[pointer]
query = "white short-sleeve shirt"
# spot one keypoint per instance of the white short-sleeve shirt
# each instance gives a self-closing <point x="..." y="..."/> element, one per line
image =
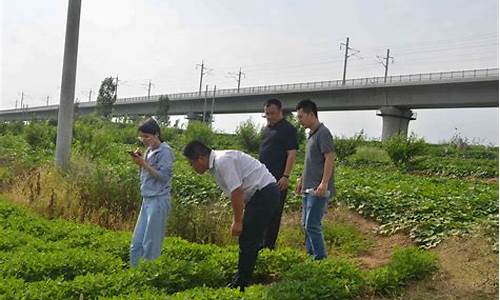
<point x="233" y="169"/>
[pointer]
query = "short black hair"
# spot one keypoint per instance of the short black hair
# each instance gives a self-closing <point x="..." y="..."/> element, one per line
<point x="273" y="101"/>
<point x="195" y="149"/>
<point x="308" y="106"/>
<point x="150" y="126"/>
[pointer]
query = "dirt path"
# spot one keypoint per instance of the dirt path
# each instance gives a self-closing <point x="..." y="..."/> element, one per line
<point x="468" y="266"/>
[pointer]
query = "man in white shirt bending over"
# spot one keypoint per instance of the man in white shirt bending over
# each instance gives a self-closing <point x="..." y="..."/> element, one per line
<point x="254" y="194"/>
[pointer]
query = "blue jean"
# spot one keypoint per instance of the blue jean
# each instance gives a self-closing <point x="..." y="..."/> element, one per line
<point x="313" y="210"/>
<point x="150" y="229"/>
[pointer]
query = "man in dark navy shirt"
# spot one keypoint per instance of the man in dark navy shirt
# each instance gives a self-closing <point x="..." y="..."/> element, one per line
<point x="277" y="152"/>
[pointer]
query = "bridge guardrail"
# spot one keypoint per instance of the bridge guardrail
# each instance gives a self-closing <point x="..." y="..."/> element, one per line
<point x="421" y="78"/>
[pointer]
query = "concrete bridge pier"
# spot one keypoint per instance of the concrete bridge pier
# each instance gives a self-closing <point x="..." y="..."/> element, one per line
<point x="395" y="120"/>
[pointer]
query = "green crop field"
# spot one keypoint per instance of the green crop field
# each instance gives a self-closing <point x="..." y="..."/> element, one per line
<point x="67" y="235"/>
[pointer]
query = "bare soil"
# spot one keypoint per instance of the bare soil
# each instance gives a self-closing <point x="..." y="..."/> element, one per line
<point x="468" y="266"/>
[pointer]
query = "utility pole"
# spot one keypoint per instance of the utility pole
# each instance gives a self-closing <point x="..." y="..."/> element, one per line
<point x="90" y="95"/>
<point x="16" y="104"/>
<point x="148" y="86"/>
<point x="346" y="56"/>
<point x="116" y="88"/>
<point x="205" y="103"/>
<point x="149" y="89"/>
<point x="238" y="79"/>
<point x="47" y="100"/>
<point x="204" y="70"/>
<point x="22" y="99"/>
<point x="201" y="75"/>
<point x="385" y="63"/>
<point x="213" y="104"/>
<point x="66" y="105"/>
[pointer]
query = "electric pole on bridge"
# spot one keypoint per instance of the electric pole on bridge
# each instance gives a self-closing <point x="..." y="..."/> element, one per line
<point x="22" y="99"/>
<point x="204" y="70"/>
<point x="116" y="88"/>
<point x="148" y="87"/>
<point x="66" y="104"/>
<point x="237" y="77"/>
<point x="213" y="104"/>
<point x="346" y="56"/>
<point x="385" y="63"/>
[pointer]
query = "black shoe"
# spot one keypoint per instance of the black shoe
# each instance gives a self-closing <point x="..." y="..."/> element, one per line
<point x="237" y="283"/>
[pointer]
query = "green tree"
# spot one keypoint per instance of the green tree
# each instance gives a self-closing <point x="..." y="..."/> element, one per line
<point x="345" y="147"/>
<point x="163" y="108"/>
<point x="200" y="131"/>
<point x="248" y="136"/>
<point x="106" y="97"/>
<point x="402" y="149"/>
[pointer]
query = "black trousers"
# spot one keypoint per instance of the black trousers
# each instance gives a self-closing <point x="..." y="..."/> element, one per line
<point x="271" y="232"/>
<point x="257" y="217"/>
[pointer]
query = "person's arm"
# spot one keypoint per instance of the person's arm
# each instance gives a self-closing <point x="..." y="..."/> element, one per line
<point x="238" y="204"/>
<point x="141" y="162"/>
<point x="165" y="166"/>
<point x="285" y="178"/>
<point x="328" y="170"/>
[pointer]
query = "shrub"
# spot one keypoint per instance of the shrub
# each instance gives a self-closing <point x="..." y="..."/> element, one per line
<point x="271" y="265"/>
<point x="15" y="158"/>
<point x="406" y="264"/>
<point x="402" y="149"/>
<point x="345" y="147"/>
<point x="326" y="279"/>
<point x="41" y="136"/>
<point x="457" y="167"/>
<point x="345" y="237"/>
<point x="369" y="156"/>
<point x="11" y="288"/>
<point x="198" y="131"/>
<point x="248" y="136"/>
<point x="69" y="263"/>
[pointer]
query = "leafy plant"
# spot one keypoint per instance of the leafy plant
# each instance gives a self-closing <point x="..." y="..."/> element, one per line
<point x="106" y="97"/>
<point x="402" y="149"/>
<point x="200" y="131"/>
<point x="248" y="136"/>
<point x="344" y="147"/>
<point x="163" y="108"/>
<point x="406" y="264"/>
<point x="368" y="156"/>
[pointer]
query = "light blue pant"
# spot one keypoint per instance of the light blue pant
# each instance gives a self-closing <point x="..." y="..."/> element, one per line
<point x="150" y="229"/>
<point x="312" y="212"/>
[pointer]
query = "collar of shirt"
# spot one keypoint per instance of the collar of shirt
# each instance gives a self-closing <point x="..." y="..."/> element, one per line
<point x="316" y="130"/>
<point x="277" y="123"/>
<point x="211" y="160"/>
<point x="150" y="152"/>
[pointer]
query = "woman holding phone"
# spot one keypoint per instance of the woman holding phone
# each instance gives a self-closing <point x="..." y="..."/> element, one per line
<point x="156" y="176"/>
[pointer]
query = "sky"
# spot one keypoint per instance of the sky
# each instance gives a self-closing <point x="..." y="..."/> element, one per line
<point x="272" y="41"/>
